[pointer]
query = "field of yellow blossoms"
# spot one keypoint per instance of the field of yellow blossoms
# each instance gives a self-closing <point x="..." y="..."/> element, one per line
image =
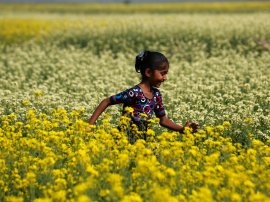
<point x="59" y="157"/>
<point x="57" y="65"/>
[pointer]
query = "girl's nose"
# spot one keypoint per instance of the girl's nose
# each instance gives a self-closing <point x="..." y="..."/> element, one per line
<point x="164" y="77"/>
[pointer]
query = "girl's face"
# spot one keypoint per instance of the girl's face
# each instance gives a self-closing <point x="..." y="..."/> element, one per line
<point x="159" y="75"/>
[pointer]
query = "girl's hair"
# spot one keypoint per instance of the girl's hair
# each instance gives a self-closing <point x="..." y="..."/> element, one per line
<point x="149" y="59"/>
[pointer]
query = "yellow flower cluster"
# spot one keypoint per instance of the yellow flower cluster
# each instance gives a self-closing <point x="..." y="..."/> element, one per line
<point x="16" y="29"/>
<point x="20" y="30"/>
<point x="58" y="157"/>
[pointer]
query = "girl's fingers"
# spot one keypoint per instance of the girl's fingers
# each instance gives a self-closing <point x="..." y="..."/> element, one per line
<point x="192" y="125"/>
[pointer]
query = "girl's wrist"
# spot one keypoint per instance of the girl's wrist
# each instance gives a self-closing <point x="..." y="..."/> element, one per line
<point x="182" y="129"/>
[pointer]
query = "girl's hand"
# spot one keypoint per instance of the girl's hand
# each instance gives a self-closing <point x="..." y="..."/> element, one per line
<point x="192" y="125"/>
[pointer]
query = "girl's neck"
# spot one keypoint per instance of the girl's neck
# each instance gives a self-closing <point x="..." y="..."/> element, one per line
<point x="145" y="85"/>
<point x="146" y="89"/>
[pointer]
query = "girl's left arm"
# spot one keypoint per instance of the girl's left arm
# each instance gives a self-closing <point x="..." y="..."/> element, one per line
<point x="166" y="122"/>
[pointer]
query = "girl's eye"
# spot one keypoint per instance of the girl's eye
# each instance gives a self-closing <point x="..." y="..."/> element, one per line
<point x="163" y="73"/>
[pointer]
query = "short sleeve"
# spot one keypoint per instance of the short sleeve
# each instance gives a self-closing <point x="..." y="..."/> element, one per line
<point x="126" y="97"/>
<point x="159" y="107"/>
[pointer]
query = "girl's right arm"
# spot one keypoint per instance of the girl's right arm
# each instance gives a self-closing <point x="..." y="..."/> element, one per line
<point x="101" y="107"/>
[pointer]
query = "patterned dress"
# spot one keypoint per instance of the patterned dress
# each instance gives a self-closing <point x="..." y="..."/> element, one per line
<point x="135" y="99"/>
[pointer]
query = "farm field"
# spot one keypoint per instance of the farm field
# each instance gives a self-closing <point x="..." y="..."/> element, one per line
<point x="55" y="68"/>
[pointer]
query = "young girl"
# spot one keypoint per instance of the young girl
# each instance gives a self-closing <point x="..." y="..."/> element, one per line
<point x="145" y="98"/>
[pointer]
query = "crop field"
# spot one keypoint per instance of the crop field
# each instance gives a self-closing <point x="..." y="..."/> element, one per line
<point x="56" y="66"/>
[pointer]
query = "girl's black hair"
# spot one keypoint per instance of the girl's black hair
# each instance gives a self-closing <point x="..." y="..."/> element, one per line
<point x="149" y="59"/>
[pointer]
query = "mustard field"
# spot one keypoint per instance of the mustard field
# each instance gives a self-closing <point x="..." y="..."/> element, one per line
<point x="58" y="157"/>
<point x="55" y="68"/>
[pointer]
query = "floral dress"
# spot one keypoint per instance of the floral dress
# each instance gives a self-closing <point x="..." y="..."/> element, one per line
<point x="134" y="98"/>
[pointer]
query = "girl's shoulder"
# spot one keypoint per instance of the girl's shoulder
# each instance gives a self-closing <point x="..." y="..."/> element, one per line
<point x="136" y="88"/>
<point x="134" y="91"/>
<point x="156" y="92"/>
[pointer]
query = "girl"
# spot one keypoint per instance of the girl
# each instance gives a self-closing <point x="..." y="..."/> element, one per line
<point x="145" y="98"/>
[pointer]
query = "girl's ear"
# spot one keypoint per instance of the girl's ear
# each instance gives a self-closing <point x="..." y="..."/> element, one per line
<point x="148" y="72"/>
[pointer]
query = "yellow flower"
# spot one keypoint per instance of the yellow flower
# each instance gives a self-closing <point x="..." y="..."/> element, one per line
<point x="248" y="120"/>
<point x="92" y="171"/>
<point x="84" y="186"/>
<point x="104" y="192"/>
<point x="159" y="176"/>
<point x="132" y="197"/>
<point x="209" y="129"/>
<point x="266" y="160"/>
<point x="251" y="154"/>
<point x="248" y="184"/>
<point x="259" y="197"/>
<point x="30" y="178"/>
<point x="118" y="190"/>
<point x="220" y="128"/>
<point x="123" y="160"/>
<point x="14" y="199"/>
<point x="43" y="200"/>
<point x="38" y="93"/>
<point x="202" y="194"/>
<point x="129" y="110"/>
<point x="212" y="159"/>
<point x="114" y="179"/>
<point x="235" y="197"/>
<point x="60" y="184"/>
<point x="143" y="115"/>
<point x="226" y="124"/>
<point x="193" y="152"/>
<point x="74" y="113"/>
<point x="26" y="102"/>
<point x="170" y="172"/>
<point x="60" y="195"/>
<point x="84" y="198"/>
<point x="162" y="194"/>
<point x="150" y="132"/>
<point x="257" y="143"/>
